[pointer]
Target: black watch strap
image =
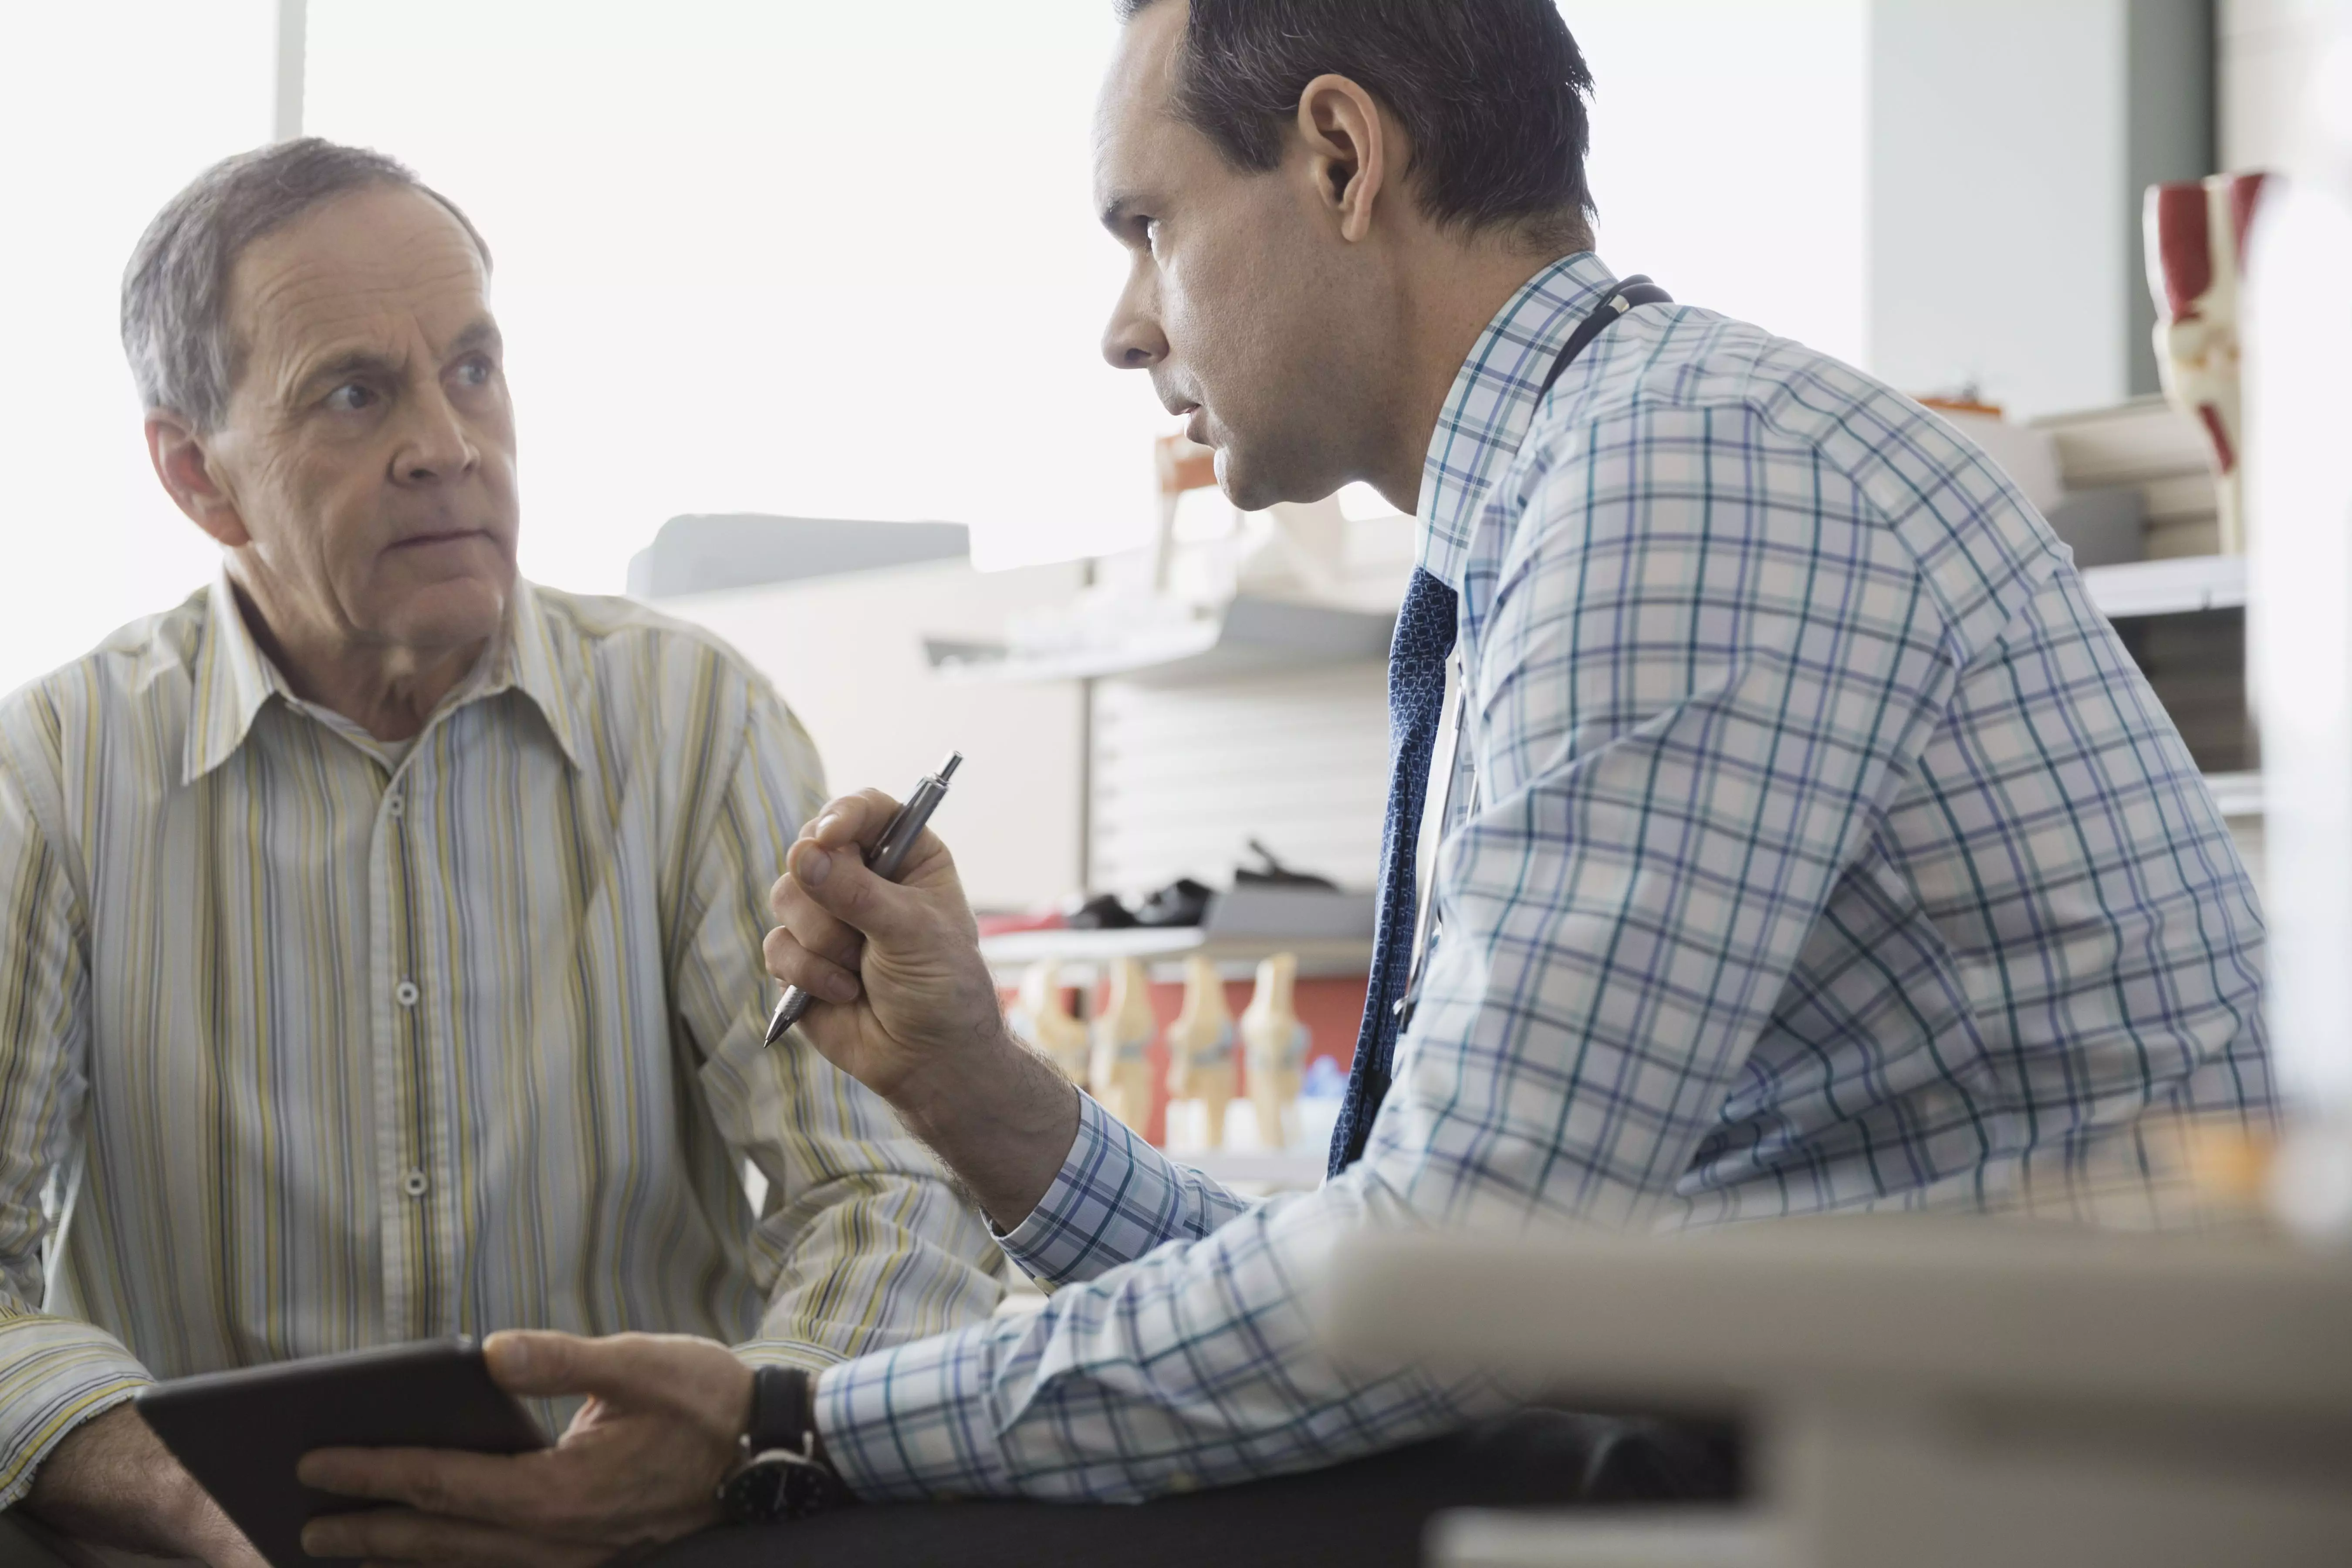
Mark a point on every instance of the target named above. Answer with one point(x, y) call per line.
point(783, 1410)
point(780, 1476)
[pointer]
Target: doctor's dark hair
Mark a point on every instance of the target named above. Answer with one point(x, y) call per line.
point(1491, 93)
point(182, 349)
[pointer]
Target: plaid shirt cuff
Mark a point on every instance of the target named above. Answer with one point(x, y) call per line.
point(1115, 1199)
point(916, 1421)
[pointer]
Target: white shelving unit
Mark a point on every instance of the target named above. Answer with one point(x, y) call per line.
point(1164, 948)
point(1247, 636)
point(2179, 586)
point(2239, 795)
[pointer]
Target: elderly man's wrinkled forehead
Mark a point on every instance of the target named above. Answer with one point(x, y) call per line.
point(386, 272)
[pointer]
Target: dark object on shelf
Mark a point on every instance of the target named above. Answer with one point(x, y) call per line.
point(1277, 874)
point(1181, 902)
point(1101, 912)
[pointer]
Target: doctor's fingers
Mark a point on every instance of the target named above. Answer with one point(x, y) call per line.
point(909, 917)
point(851, 819)
point(814, 926)
point(794, 964)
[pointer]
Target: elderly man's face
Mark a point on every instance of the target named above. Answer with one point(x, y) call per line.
point(368, 454)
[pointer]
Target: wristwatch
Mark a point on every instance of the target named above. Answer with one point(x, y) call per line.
point(779, 1475)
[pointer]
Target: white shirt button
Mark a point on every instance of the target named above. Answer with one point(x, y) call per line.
point(414, 1183)
point(396, 802)
point(406, 994)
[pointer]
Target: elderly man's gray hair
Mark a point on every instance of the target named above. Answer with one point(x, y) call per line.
point(175, 324)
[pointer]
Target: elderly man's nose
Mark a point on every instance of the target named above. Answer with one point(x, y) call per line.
point(437, 445)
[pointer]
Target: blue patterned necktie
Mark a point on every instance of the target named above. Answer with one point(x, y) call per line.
point(1425, 637)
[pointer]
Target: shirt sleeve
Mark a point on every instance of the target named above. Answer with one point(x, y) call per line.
point(865, 1241)
point(1700, 661)
point(55, 1372)
point(1115, 1198)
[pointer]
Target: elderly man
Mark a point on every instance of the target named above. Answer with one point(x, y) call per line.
point(383, 933)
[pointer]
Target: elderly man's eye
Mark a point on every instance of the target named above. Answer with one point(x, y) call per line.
point(474, 372)
point(350, 397)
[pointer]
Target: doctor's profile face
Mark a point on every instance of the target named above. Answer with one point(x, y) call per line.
point(1267, 333)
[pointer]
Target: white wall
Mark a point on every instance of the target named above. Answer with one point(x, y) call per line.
point(2010, 141)
point(1728, 155)
point(2267, 48)
point(105, 111)
point(1962, 112)
point(1945, 192)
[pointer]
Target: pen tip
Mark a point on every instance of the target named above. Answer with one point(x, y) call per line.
point(947, 768)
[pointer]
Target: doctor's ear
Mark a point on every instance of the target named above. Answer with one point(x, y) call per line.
point(184, 463)
point(1349, 150)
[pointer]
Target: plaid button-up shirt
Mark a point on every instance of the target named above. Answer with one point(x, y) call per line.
point(1827, 852)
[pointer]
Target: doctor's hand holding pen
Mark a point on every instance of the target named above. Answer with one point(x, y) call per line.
point(905, 1005)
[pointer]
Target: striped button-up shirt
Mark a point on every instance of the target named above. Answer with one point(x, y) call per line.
point(308, 1043)
point(1819, 849)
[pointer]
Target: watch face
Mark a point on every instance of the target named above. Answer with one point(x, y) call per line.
point(755, 1494)
point(773, 1487)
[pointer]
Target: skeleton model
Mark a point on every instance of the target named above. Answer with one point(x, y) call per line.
point(1274, 1047)
point(2196, 243)
point(1040, 1018)
point(1201, 1066)
point(1120, 1077)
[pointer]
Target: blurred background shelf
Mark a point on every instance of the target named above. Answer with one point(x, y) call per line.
point(2181, 585)
point(2240, 794)
point(1163, 949)
point(1284, 1170)
point(1248, 636)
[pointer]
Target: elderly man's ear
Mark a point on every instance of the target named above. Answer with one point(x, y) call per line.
point(185, 465)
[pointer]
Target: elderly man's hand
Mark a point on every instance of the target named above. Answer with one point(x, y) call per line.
point(640, 1464)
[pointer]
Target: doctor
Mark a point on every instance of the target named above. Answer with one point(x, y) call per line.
point(1814, 844)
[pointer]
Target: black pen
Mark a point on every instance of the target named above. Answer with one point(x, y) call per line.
point(889, 853)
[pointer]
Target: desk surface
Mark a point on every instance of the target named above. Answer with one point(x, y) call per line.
point(1994, 1307)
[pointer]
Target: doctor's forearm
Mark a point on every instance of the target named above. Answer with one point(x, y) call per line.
point(1001, 1117)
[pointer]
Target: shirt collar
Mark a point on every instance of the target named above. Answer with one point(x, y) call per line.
point(235, 678)
point(1486, 414)
point(533, 665)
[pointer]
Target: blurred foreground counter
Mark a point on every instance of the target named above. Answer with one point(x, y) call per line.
point(1932, 1393)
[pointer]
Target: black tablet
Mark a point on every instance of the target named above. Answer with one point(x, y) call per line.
point(240, 1433)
